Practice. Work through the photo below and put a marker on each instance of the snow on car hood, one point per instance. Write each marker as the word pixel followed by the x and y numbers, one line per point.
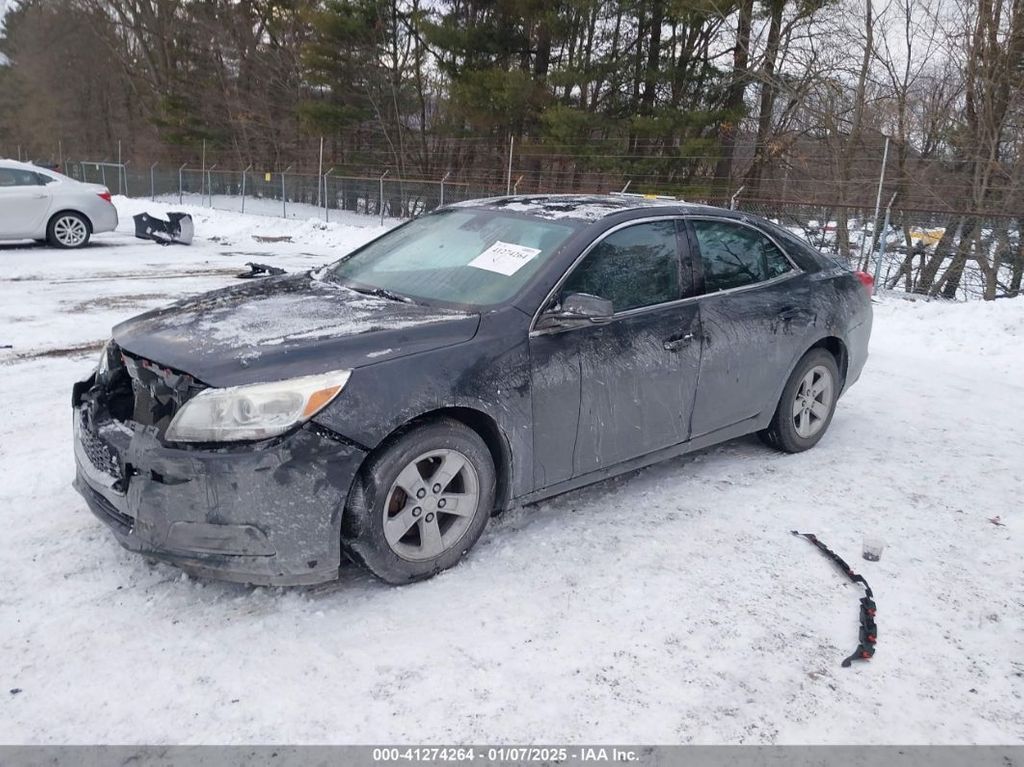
pixel 280 327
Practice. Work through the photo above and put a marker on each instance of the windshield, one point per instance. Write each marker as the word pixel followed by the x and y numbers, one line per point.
pixel 461 256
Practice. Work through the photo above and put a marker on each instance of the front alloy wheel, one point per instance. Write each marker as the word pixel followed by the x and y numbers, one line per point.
pixel 431 504
pixel 420 501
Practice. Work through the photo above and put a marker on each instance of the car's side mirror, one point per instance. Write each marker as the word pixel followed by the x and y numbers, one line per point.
pixel 578 308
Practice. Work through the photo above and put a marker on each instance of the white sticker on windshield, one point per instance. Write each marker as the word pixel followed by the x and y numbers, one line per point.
pixel 505 258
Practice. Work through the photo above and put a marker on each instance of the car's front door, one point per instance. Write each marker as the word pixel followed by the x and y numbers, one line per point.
pixel 24 201
pixel 755 316
pixel 634 373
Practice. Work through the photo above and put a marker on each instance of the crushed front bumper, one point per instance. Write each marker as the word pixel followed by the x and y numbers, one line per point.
pixel 264 513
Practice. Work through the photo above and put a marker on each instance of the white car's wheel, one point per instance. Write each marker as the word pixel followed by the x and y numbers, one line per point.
pixel 68 230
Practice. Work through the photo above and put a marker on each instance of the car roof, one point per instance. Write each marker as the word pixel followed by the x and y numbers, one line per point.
pixel 589 208
pixel 7 162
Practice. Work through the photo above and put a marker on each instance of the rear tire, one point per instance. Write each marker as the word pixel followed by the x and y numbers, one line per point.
pixel 807 404
pixel 68 230
pixel 420 503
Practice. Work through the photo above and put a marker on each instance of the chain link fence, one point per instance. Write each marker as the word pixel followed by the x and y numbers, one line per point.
pixel 291 195
pixel 957 255
pixel 949 254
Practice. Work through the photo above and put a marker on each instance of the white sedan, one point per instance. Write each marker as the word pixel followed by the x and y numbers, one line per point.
pixel 43 205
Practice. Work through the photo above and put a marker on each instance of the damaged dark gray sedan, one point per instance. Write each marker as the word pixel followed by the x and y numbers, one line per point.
pixel 489 354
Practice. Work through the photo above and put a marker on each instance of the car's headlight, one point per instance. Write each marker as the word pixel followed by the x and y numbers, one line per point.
pixel 256 411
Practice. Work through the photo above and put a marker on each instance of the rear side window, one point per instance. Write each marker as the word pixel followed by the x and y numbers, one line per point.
pixel 18 177
pixel 633 267
pixel 800 249
pixel 734 256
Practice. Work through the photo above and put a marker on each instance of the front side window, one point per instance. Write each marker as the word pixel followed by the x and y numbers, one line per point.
pixel 462 256
pixel 18 177
pixel 633 267
pixel 735 255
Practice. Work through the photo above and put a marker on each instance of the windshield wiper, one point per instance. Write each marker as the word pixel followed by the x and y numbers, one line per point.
pixel 382 293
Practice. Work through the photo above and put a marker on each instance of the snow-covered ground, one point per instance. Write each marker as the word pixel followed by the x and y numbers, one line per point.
pixel 670 606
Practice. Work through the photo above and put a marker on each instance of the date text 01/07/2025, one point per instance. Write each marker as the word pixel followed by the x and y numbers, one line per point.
pixel 456 754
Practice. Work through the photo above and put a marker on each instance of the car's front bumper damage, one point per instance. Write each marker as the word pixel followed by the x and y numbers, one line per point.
pixel 267 513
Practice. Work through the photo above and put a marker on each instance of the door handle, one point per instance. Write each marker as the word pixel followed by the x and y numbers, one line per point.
pixel 677 343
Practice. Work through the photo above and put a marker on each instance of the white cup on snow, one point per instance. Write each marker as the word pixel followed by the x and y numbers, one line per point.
pixel 873 549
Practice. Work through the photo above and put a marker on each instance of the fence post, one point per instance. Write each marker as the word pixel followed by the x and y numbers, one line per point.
pixel 881 239
pixel 732 200
pixel 320 171
pixel 124 171
pixel 181 188
pixel 284 194
pixel 327 213
pixel 152 182
pixel 508 178
pixel 244 172
pixel 446 175
pixel 209 182
pixel 382 175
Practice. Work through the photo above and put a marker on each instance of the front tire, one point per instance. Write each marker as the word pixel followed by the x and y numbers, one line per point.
pixel 68 230
pixel 420 503
pixel 807 404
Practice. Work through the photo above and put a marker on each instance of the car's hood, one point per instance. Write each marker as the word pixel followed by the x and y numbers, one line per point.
pixel 280 327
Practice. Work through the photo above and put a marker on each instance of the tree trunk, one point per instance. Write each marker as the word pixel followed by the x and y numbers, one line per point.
pixel 734 97
pixel 856 128
pixel 930 267
pixel 767 107
pixel 1018 262
pixel 950 282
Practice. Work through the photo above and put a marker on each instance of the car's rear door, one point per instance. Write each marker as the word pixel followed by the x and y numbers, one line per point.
pixel 756 315
pixel 24 202
pixel 635 374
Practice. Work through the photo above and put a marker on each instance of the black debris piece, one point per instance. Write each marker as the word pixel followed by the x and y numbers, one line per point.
pixel 259 270
pixel 868 630
pixel 177 230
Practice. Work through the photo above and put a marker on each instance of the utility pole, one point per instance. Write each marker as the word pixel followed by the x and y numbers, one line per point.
pixel 878 202
pixel 881 239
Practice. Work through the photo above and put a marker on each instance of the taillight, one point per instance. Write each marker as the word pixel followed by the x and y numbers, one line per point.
pixel 105 196
pixel 867 281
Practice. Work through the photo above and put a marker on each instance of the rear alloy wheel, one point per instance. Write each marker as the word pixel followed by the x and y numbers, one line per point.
pixel 68 230
pixel 807 404
pixel 420 503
